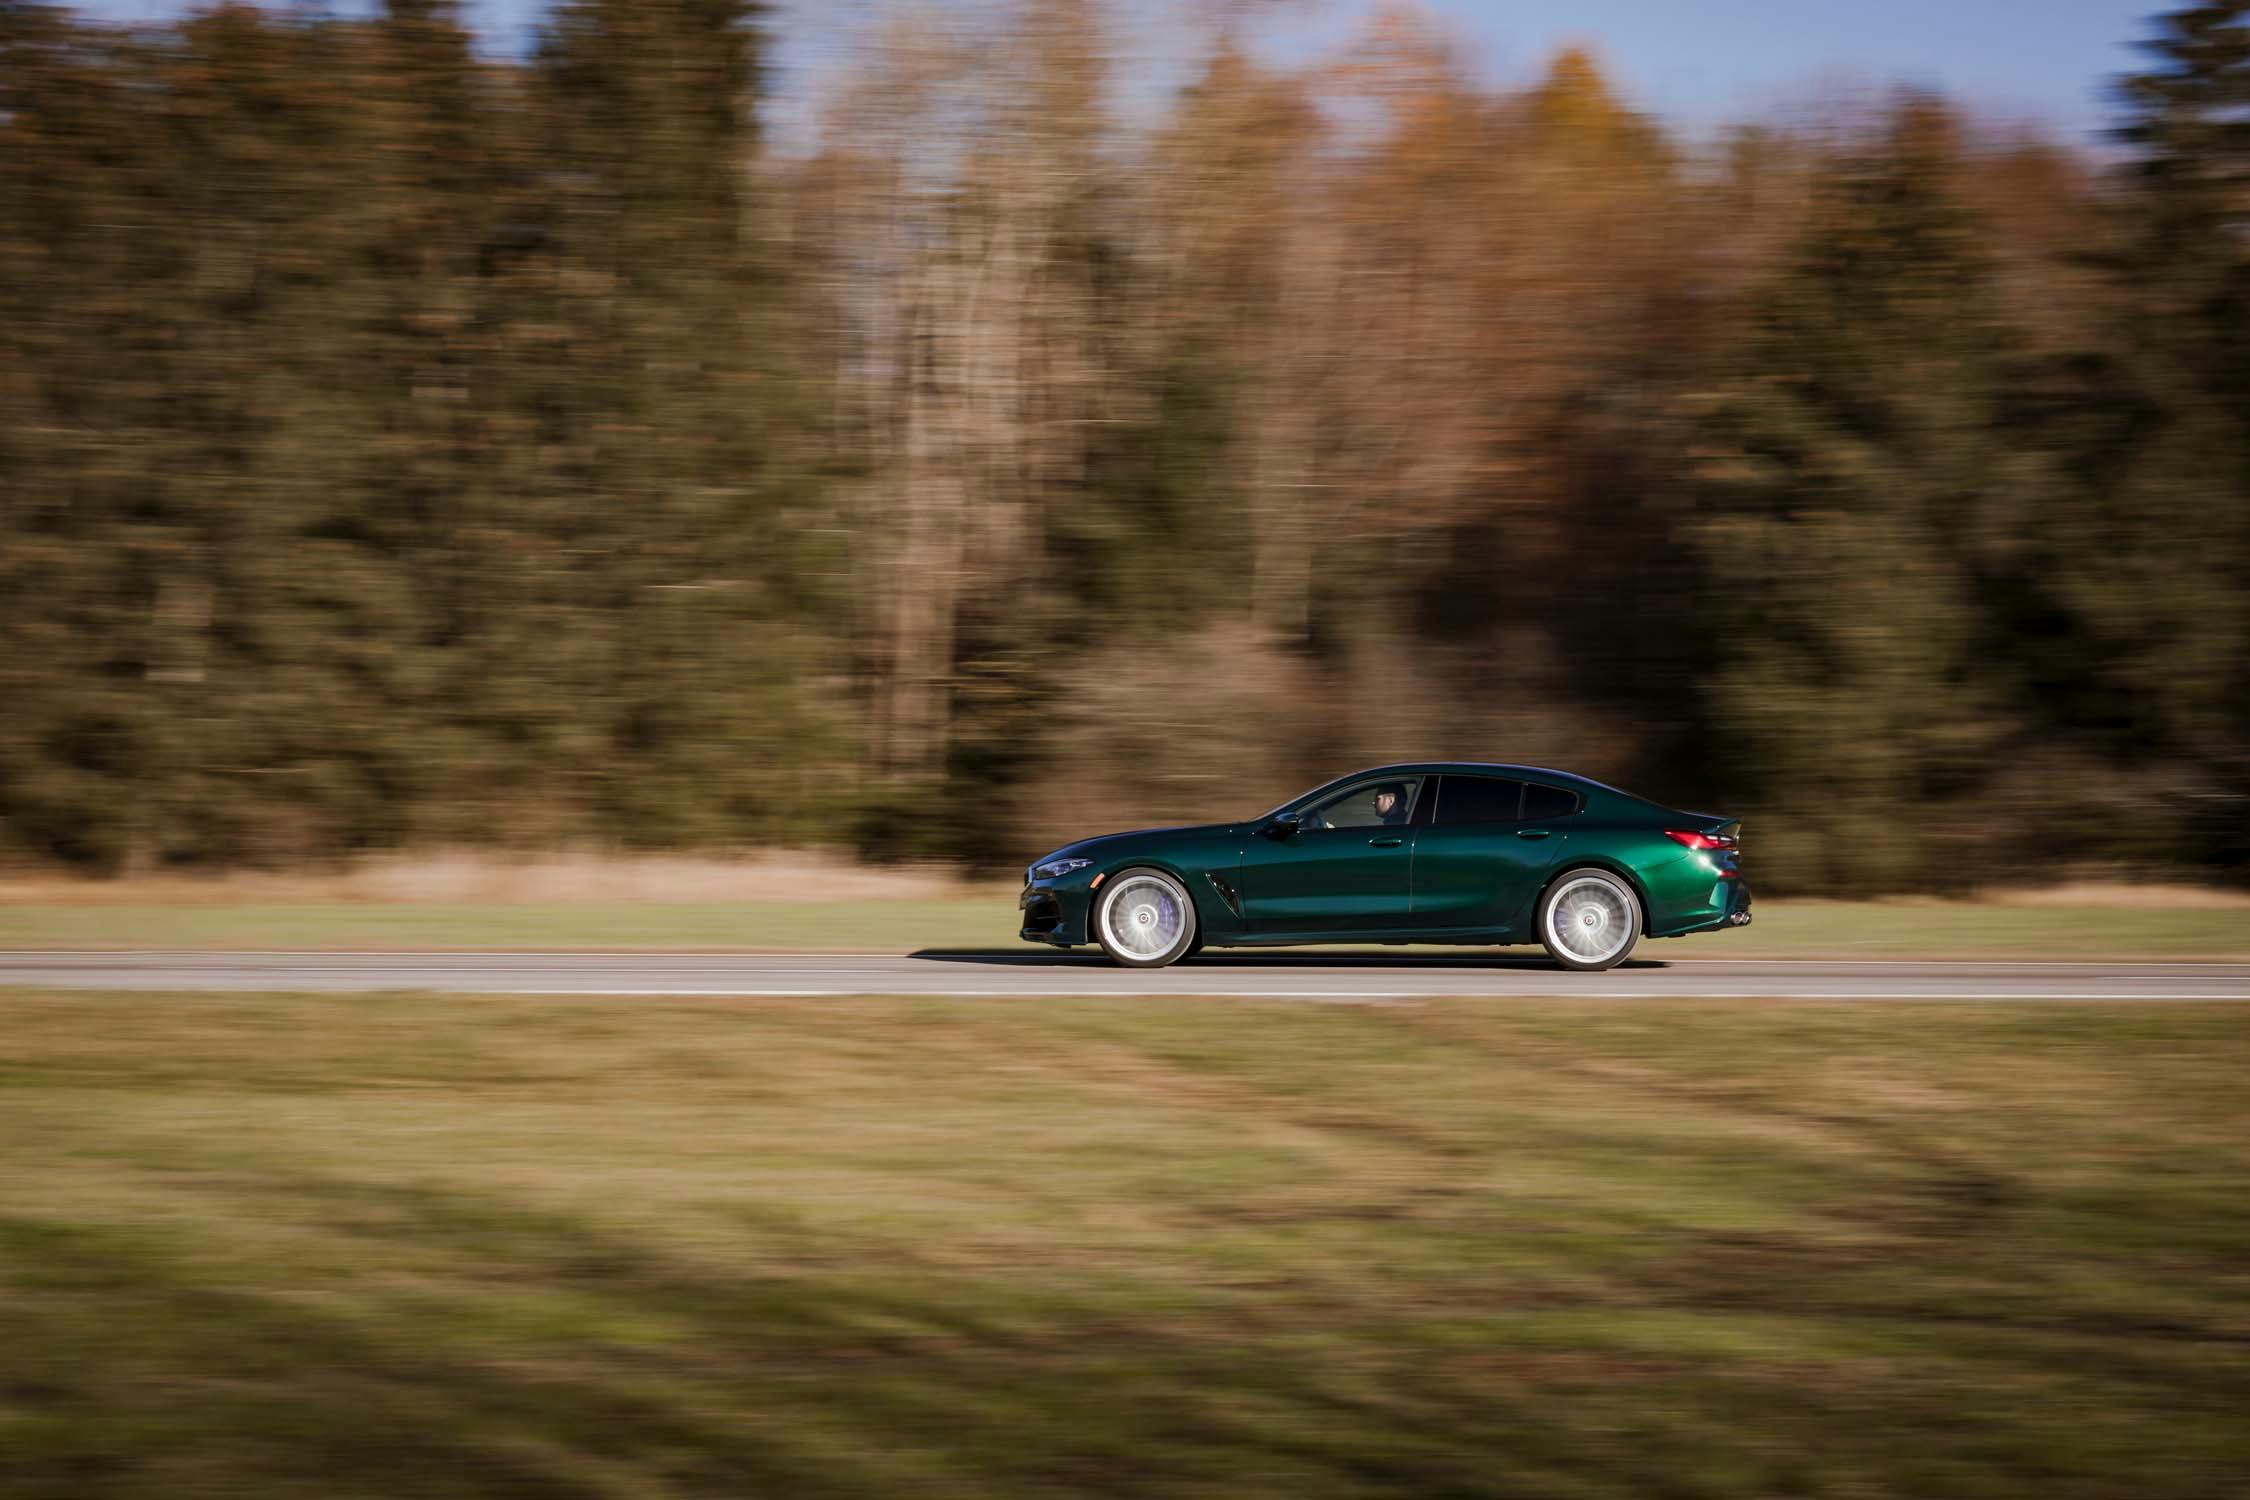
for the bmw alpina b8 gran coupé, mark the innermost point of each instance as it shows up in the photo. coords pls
(1430, 852)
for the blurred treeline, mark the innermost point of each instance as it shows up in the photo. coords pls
(402, 447)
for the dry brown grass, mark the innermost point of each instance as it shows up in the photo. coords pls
(475, 876)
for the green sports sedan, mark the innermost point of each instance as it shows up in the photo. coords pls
(1432, 852)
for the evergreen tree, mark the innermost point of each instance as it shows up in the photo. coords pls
(2160, 577)
(1851, 457)
(397, 446)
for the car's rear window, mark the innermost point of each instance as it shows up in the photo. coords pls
(1542, 802)
(1477, 799)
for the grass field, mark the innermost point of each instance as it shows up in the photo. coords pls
(1894, 929)
(431, 1246)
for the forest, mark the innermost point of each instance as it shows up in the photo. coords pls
(404, 446)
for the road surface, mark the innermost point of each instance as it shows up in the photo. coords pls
(1295, 975)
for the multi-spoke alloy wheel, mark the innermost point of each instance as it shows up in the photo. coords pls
(1143, 919)
(1589, 920)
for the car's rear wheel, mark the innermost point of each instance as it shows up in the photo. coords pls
(1589, 919)
(1143, 919)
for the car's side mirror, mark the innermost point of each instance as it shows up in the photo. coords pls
(1284, 826)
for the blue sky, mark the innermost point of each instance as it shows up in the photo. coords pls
(1697, 62)
(1701, 61)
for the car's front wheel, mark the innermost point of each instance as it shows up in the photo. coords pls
(1143, 919)
(1589, 919)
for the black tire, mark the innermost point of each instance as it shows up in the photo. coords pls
(1581, 915)
(1143, 906)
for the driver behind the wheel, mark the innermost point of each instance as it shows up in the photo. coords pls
(1369, 807)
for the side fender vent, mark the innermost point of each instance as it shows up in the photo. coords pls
(1225, 888)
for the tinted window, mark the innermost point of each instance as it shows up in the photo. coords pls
(1477, 799)
(1543, 802)
(1372, 804)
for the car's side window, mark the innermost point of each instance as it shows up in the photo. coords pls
(1371, 804)
(1477, 799)
(1541, 803)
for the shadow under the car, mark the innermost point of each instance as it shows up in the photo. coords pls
(1255, 958)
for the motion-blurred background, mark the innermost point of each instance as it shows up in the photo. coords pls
(471, 474)
(1012, 420)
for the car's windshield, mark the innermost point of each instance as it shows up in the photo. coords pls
(1274, 812)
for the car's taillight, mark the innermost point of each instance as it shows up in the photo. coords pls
(1699, 840)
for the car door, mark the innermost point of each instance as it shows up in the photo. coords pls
(1347, 868)
(1480, 861)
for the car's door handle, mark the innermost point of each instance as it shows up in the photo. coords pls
(1531, 833)
(1386, 843)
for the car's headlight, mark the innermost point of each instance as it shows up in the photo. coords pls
(1059, 867)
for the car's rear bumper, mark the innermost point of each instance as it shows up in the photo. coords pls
(1729, 907)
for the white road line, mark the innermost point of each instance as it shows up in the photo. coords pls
(2042, 996)
(1963, 963)
(967, 974)
(1393, 995)
(800, 994)
(1297, 957)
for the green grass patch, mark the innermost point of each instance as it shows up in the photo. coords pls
(1978, 929)
(1812, 929)
(423, 1245)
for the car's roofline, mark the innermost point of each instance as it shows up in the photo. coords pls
(1475, 767)
(1463, 768)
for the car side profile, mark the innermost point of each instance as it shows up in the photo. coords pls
(1424, 852)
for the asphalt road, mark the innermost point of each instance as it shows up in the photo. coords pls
(1295, 975)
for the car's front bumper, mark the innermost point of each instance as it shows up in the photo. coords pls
(1053, 913)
